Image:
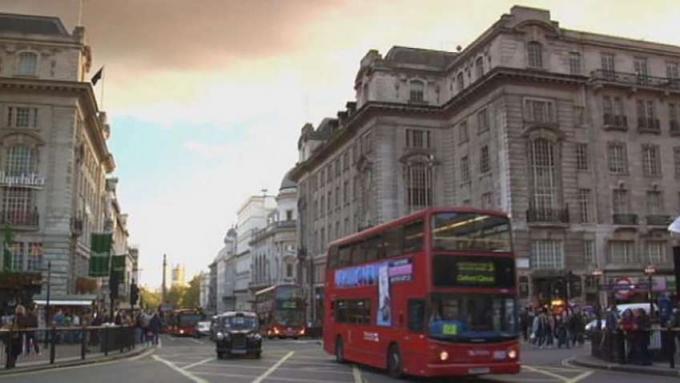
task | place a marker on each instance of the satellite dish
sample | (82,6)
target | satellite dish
(675,226)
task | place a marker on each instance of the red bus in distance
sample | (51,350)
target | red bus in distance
(182,322)
(281,311)
(429,294)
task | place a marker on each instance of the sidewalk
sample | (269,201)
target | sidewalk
(659,369)
(69,356)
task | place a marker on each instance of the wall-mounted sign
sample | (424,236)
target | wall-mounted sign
(400,270)
(26,180)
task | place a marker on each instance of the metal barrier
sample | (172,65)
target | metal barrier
(641,347)
(39,346)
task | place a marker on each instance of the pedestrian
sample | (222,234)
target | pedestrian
(550,330)
(155,325)
(561,330)
(627,326)
(523,323)
(14,338)
(643,327)
(31,341)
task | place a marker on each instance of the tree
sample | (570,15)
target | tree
(191,297)
(174,295)
(149,299)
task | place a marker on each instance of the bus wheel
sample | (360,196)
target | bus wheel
(339,351)
(394,362)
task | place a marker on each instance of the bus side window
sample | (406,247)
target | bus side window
(416,315)
(392,240)
(344,256)
(413,237)
(359,253)
(333,257)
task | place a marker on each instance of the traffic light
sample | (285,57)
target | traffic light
(134,294)
(114,281)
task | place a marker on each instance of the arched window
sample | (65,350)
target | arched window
(542,153)
(479,67)
(535,54)
(20,160)
(416,91)
(28,63)
(460,82)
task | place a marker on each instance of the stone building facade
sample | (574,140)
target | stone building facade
(573,134)
(274,255)
(224,270)
(53,148)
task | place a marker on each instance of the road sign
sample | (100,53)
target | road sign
(623,288)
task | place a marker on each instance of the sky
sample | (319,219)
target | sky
(206,98)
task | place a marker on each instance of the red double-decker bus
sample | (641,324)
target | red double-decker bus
(182,322)
(281,311)
(430,294)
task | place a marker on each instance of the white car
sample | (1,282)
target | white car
(592,325)
(203,328)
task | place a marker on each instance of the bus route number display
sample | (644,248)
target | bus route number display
(475,273)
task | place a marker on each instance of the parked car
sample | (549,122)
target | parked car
(238,334)
(202,329)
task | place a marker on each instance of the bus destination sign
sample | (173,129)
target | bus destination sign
(475,273)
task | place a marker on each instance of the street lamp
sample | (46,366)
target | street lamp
(47,300)
(597,273)
(649,271)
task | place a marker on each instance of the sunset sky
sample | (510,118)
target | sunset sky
(207,98)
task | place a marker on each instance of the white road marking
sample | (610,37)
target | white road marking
(276,378)
(204,361)
(196,341)
(547,373)
(356,373)
(580,377)
(274,367)
(187,374)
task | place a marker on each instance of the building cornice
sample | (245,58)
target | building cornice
(85,93)
(392,109)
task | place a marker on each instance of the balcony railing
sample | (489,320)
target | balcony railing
(658,220)
(650,125)
(635,79)
(625,219)
(548,215)
(19,218)
(618,122)
(674,128)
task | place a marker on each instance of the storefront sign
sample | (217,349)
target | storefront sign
(27,180)
(623,288)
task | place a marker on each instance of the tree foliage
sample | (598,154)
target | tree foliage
(149,299)
(191,296)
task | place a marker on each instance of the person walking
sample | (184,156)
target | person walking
(31,341)
(643,327)
(155,325)
(14,340)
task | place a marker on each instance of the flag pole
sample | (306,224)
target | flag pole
(101,98)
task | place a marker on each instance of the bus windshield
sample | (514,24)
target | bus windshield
(288,292)
(453,231)
(184,320)
(289,317)
(472,317)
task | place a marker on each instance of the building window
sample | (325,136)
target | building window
(538,111)
(460,82)
(581,156)
(656,252)
(574,63)
(479,67)
(345,160)
(622,252)
(646,113)
(345,192)
(612,112)
(416,91)
(419,185)
(28,63)
(487,200)
(22,117)
(583,200)
(463,134)
(483,120)
(289,270)
(617,158)
(337,196)
(651,160)
(620,201)
(589,255)
(465,169)
(355,188)
(607,61)
(676,160)
(17,250)
(329,203)
(417,139)
(35,257)
(543,171)
(289,215)
(17,205)
(640,69)
(535,54)
(547,254)
(673,118)
(654,202)
(484,163)
(672,71)
(21,160)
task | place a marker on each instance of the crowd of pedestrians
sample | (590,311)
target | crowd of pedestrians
(545,328)
(148,327)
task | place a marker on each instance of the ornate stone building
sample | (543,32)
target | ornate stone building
(53,148)
(573,134)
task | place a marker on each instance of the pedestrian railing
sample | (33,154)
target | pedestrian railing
(41,346)
(635,347)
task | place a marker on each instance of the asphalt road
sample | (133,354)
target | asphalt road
(186,360)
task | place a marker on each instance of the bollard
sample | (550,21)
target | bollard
(8,359)
(83,342)
(106,341)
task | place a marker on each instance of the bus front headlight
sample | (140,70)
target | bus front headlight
(443,356)
(512,353)
(220,336)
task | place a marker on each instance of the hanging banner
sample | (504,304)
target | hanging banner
(118,267)
(384,317)
(100,251)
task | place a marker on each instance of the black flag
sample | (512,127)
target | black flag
(97,76)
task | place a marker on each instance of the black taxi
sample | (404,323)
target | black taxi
(237,333)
